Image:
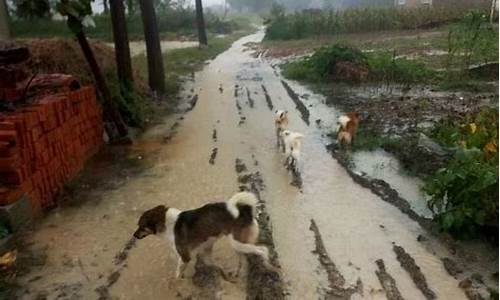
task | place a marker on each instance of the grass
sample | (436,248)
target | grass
(305,24)
(170,25)
(182,62)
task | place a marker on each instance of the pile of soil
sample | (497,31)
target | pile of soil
(58,55)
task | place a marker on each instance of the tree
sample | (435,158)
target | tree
(122,49)
(105,6)
(202,33)
(32,9)
(4,21)
(156,75)
(78,13)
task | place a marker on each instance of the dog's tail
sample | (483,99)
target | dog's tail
(242,205)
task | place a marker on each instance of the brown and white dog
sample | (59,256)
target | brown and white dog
(281,123)
(198,229)
(347,127)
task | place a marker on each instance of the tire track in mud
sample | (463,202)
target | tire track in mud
(268,98)
(408,263)
(251,102)
(262,282)
(387,281)
(335,279)
(304,112)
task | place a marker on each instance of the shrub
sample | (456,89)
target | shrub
(339,62)
(464,195)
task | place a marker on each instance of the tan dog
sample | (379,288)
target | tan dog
(347,127)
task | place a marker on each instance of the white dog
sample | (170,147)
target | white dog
(281,123)
(293,143)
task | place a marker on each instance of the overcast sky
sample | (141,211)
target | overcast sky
(97,4)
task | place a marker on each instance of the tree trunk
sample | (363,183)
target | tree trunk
(156,76)
(202,34)
(111,112)
(122,49)
(4,21)
(492,11)
(105,5)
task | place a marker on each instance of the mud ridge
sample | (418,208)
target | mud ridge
(262,283)
(268,98)
(335,279)
(387,281)
(236,90)
(304,112)
(379,188)
(213,156)
(408,263)
(250,99)
(192,103)
(214,135)
(122,256)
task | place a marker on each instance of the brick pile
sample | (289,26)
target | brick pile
(45,142)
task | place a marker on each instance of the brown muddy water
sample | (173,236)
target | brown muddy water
(331,236)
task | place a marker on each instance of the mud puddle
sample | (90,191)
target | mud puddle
(382,165)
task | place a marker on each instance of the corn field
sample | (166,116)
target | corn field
(313,23)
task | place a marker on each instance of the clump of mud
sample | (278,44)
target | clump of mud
(263,283)
(268,98)
(408,263)
(213,156)
(335,279)
(304,112)
(387,281)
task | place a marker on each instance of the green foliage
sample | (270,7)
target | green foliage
(464,195)
(474,39)
(321,65)
(382,66)
(388,68)
(173,20)
(329,22)
(32,9)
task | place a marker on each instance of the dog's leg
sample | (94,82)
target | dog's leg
(181,267)
(249,249)
(207,251)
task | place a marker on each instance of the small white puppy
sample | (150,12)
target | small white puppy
(281,123)
(293,143)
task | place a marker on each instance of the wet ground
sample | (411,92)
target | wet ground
(331,237)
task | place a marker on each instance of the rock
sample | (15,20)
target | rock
(465,284)
(428,145)
(421,238)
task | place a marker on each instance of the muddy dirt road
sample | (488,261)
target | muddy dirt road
(334,239)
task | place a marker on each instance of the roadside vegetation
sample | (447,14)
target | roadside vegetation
(463,184)
(173,23)
(464,194)
(309,23)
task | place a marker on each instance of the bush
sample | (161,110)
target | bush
(349,64)
(464,195)
(327,63)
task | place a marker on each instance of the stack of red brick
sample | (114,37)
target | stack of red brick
(43,144)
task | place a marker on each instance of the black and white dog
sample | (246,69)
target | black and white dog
(198,229)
